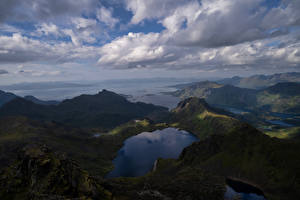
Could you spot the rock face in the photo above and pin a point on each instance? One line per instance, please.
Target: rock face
(41, 174)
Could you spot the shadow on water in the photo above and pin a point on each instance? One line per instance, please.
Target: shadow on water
(242, 191)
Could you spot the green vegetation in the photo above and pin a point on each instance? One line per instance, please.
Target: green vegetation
(197, 117)
(228, 148)
(95, 154)
(284, 133)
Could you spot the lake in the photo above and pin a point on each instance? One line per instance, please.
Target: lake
(242, 191)
(139, 152)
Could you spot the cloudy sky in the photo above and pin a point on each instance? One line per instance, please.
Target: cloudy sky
(42, 40)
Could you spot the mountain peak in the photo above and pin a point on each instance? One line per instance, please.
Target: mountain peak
(192, 105)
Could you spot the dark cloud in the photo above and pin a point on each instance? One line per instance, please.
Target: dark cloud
(2, 71)
(35, 10)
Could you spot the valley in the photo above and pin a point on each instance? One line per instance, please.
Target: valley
(125, 150)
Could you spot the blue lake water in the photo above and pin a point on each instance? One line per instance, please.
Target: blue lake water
(242, 191)
(139, 152)
(231, 194)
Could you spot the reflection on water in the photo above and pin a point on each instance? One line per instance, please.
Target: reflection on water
(139, 152)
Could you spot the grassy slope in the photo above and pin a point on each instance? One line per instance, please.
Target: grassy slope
(284, 133)
(93, 154)
(197, 117)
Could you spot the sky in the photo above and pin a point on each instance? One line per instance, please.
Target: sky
(84, 40)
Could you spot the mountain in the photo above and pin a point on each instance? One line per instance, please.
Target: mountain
(103, 110)
(227, 149)
(248, 155)
(6, 97)
(38, 159)
(282, 97)
(261, 81)
(215, 93)
(199, 89)
(196, 116)
(41, 102)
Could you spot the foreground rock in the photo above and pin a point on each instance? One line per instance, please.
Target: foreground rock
(41, 174)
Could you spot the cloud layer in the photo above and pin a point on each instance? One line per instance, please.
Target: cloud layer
(195, 34)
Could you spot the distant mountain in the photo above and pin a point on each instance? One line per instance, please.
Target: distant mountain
(6, 97)
(38, 101)
(199, 89)
(105, 109)
(282, 97)
(215, 93)
(261, 81)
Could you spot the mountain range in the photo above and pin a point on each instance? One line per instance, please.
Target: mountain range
(228, 148)
(282, 97)
(261, 81)
(6, 97)
(103, 110)
(64, 150)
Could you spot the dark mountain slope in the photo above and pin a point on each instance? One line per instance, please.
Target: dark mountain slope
(249, 155)
(105, 109)
(38, 101)
(232, 96)
(6, 97)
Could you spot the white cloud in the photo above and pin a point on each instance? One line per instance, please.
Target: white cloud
(152, 51)
(46, 29)
(18, 49)
(214, 23)
(105, 15)
(152, 9)
(83, 30)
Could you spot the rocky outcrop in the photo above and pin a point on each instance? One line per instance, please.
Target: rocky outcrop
(41, 174)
